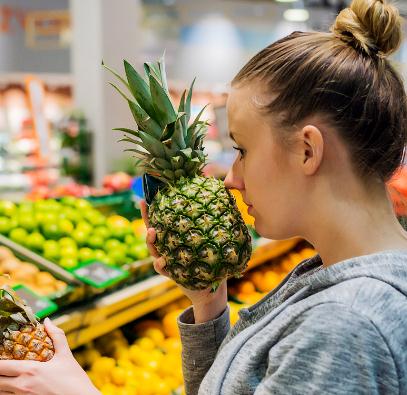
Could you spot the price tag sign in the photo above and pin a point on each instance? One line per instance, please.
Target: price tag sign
(98, 274)
(41, 306)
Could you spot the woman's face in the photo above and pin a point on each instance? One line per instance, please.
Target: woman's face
(265, 170)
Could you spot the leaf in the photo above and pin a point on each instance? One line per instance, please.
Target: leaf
(153, 145)
(116, 74)
(161, 163)
(179, 173)
(178, 136)
(168, 131)
(186, 153)
(130, 140)
(126, 130)
(162, 103)
(181, 108)
(152, 69)
(161, 66)
(120, 91)
(144, 121)
(187, 108)
(139, 89)
(196, 121)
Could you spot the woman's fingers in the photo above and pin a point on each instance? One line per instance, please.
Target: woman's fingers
(144, 213)
(9, 385)
(150, 239)
(159, 266)
(58, 337)
(14, 368)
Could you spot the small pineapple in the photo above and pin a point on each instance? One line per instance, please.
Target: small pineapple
(21, 335)
(200, 231)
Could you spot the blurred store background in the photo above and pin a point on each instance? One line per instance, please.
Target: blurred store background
(56, 108)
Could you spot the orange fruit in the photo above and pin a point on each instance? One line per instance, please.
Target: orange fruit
(246, 287)
(170, 323)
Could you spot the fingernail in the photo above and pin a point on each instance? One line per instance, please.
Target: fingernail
(47, 320)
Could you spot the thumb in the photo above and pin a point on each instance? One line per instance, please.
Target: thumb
(58, 337)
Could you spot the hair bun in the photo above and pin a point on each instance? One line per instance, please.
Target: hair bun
(371, 25)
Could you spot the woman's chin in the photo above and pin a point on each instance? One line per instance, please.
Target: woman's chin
(269, 233)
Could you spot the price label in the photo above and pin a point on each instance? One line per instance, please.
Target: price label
(40, 305)
(98, 274)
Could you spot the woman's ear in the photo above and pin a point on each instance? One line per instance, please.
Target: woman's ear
(312, 149)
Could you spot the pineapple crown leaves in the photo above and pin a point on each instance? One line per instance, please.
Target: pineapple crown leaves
(167, 144)
(13, 310)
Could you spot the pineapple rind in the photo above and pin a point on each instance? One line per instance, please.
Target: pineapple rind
(200, 232)
(28, 342)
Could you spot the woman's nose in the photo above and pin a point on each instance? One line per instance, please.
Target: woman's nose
(232, 180)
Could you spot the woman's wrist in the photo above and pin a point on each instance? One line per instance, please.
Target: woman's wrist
(210, 307)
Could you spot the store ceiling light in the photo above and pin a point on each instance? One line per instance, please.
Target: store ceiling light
(296, 15)
(285, 1)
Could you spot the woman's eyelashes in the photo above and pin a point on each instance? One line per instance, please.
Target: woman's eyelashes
(241, 152)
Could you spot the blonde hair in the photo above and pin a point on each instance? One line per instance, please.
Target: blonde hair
(344, 76)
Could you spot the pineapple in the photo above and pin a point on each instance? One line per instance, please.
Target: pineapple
(200, 231)
(22, 336)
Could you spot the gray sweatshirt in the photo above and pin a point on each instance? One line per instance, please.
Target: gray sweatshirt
(335, 330)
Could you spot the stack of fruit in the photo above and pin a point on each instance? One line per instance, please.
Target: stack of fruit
(71, 231)
(26, 273)
(149, 366)
(258, 282)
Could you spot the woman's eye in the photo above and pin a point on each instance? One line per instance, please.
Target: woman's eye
(241, 152)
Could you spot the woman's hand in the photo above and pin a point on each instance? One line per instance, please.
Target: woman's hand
(62, 375)
(207, 305)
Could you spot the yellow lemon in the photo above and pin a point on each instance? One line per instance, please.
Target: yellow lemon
(91, 355)
(172, 345)
(155, 334)
(137, 354)
(145, 343)
(103, 365)
(118, 375)
(108, 389)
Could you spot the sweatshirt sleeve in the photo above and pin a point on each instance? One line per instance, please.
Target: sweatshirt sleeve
(330, 350)
(200, 343)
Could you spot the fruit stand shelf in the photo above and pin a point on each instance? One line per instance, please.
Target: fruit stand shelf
(89, 321)
(92, 320)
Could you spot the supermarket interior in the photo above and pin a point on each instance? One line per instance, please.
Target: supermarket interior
(72, 241)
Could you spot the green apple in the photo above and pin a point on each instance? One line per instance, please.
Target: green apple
(51, 230)
(68, 262)
(35, 241)
(66, 226)
(69, 252)
(118, 256)
(111, 244)
(5, 225)
(80, 236)
(19, 235)
(102, 231)
(130, 240)
(84, 226)
(82, 204)
(99, 255)
(69, 201)
(138, 251)
(51, 250)
(95, 241)
(85, 254)
(72, 214)
(7, 208)
(28, 222)
(67, 241)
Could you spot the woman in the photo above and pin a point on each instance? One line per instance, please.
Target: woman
(319, 120)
